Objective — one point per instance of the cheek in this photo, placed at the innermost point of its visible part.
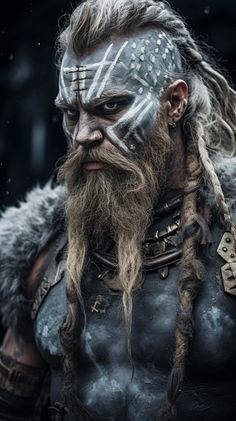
(69, 130)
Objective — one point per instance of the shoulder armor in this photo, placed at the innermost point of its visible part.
(52, 276)
(226, 250)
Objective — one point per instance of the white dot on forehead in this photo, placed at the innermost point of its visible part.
(164, 56)
(138, 66)
(142, 49)
(134, 45)
(140, 91)
(158, 42)
(153, 59)
(132, 66)
(156, 50)
(150, 68)
(142, 57)
(133, 56)
(147, 42)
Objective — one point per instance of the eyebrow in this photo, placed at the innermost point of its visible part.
(106, 96)
(109, 95)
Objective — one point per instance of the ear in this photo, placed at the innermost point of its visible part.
(176, 99)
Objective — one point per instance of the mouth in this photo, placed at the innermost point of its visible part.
(93, 165)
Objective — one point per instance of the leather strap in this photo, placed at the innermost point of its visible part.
(52, 276)
(19, 379)
(150, 263)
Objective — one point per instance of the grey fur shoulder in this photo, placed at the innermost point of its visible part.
(225, 167)
(24, 231)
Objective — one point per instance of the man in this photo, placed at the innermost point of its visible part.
(128, 300)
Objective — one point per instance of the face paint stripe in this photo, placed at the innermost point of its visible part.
(110, 69)
(142, 81)
(72, 69)
(75, 133)
(98, 73)
(91, 65)
(65, 129)
(138, 121)
(82, 83)
(116, 140)
(62, 83)
(138, 138)
(131, 113)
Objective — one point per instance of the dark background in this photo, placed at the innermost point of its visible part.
(31, 138)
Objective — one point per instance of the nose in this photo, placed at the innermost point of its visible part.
(88, 136)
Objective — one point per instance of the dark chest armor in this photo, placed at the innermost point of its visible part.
(109, 385)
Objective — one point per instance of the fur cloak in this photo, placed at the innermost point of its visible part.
(24, 231)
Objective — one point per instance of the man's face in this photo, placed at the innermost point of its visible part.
(112, 94)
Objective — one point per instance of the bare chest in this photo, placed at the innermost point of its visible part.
(155, 308)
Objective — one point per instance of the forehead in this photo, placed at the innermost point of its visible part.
(135, 63)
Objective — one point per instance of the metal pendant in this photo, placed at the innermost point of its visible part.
(164, 272)
(98, 304)
(227, 251)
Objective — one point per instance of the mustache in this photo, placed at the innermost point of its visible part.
(112, 157)
(117, 164)
(108, 156)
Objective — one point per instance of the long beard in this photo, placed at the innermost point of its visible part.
(116, 202)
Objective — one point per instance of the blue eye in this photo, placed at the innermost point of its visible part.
(113, 107)
(110, 107)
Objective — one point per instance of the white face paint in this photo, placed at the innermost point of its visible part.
(118, 85)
